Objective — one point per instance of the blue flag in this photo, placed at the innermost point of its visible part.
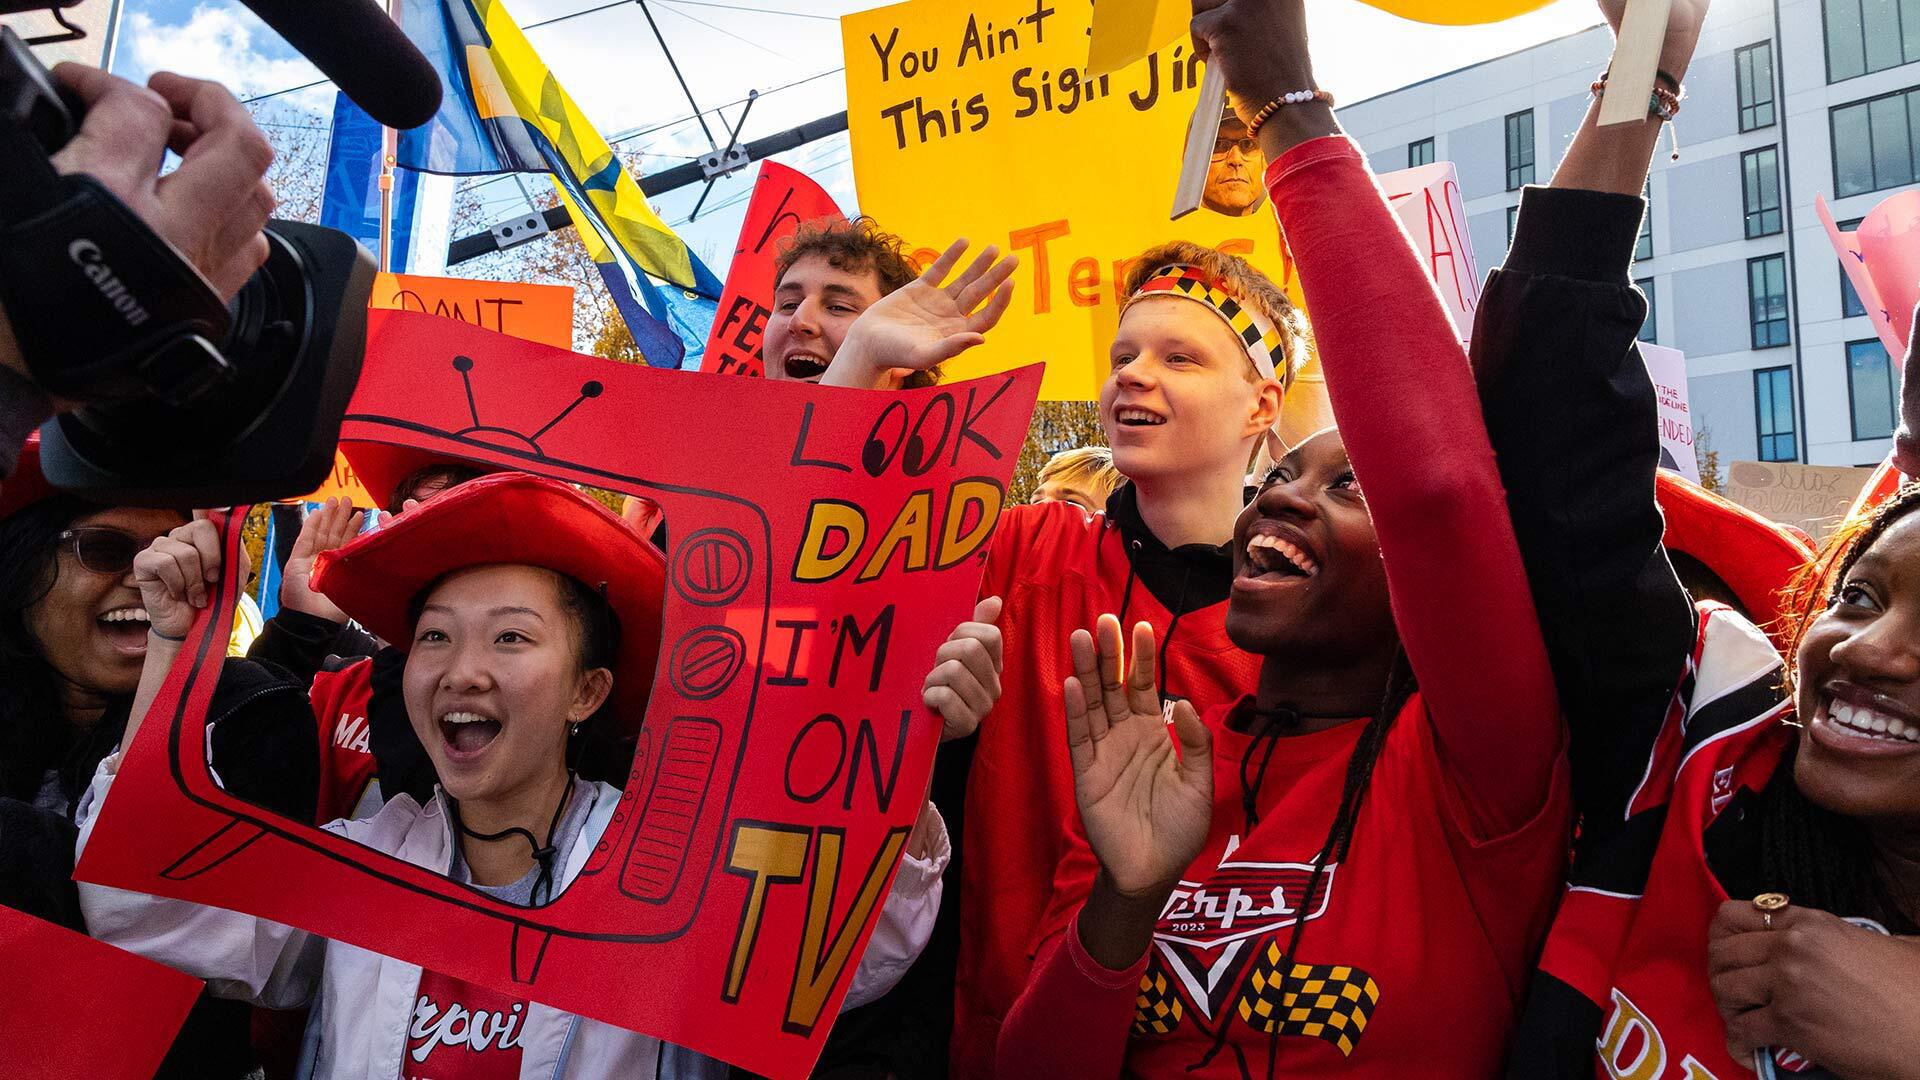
(505, 112)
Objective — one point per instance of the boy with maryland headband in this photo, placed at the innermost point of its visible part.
(1204, 352)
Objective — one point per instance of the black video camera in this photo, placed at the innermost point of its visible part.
(185, 400)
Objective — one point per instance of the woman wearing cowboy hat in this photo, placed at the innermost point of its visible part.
(511, 653)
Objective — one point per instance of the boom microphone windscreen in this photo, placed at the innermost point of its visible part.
(364, 52)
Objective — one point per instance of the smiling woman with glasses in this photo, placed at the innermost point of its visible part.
(72, 636)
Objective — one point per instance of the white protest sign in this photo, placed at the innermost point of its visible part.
(1668, 369)
(1427, 198)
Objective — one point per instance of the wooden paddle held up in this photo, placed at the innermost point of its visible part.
(1636, 61)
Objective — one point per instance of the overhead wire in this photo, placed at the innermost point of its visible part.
(529, 26)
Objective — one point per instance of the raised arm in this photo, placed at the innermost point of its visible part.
(1572, 416)
(1405, 402)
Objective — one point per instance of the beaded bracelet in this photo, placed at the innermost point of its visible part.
(1663, 104)
(1291, 97)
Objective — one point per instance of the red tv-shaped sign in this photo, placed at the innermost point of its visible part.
(823, 544)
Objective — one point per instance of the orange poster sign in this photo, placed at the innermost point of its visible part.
(542, 313)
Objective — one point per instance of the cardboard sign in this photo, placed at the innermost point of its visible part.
(783, 200)
(816, 565)
(76, 1007)
(947, 101)
(1881, 257)
(342, 481)
(1814, 497)
(1427, 199)
(1668, 369)
(542, 313)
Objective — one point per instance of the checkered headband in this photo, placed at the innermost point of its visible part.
(1265, 346)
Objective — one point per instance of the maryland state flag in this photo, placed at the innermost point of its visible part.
(503, 111)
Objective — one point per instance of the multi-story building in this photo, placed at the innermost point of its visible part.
(1784, 101)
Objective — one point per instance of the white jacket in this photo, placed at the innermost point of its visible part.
(363, 1001)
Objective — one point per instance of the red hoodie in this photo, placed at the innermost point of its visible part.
(1059, 568)
(340, 700)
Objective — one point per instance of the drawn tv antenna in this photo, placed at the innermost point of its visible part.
(497, 436)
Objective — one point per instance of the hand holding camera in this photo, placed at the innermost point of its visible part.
(211, 209)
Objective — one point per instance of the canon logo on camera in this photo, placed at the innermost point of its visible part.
(86, 255)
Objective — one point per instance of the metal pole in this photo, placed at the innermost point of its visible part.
(1802, 441)
(556, 217)
(389, 155)
(644, 10)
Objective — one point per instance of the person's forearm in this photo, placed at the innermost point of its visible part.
(1292, 125)
(1402, 393)
(295, 640)
(1611, 158)
(1116, 929)
(1615, 157)
(1069, 991)
(161, 653)
(857, 373)
(1570, 411)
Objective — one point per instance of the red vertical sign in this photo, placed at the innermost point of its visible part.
(783, 199)
(76, 1007)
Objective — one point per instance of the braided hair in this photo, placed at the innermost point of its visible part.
(1366, 753)
(1823, 859)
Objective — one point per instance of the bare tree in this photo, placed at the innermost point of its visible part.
(1057, 426)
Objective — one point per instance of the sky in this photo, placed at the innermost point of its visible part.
(788, 50)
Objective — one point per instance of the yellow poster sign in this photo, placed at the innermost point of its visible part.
(976, 120)
(342, 481)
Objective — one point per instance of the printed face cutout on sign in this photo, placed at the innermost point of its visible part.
(778, 772)
(1236, 174)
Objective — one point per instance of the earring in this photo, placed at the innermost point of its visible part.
(574, 729)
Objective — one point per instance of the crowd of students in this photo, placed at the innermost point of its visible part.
(1454, 741)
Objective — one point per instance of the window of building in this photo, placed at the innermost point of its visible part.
(1643, 247)
(1419, 153)
(1648, 332)
(1773, 413)
(1767, 300)
(1753, 82)
(1513, 221)
(1870, 388)
(1850, 304)
(1869, 35)
(1873, 142)
(1760, 191)
(1520, 149)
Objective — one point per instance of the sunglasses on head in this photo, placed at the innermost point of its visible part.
(100, 549)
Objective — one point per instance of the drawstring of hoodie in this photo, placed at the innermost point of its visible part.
(1278, 723)
(542, 854)
(1126, 592)
(1179, 608)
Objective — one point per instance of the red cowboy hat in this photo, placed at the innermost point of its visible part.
(1757, 558)
(27, 485)
(512, 518)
